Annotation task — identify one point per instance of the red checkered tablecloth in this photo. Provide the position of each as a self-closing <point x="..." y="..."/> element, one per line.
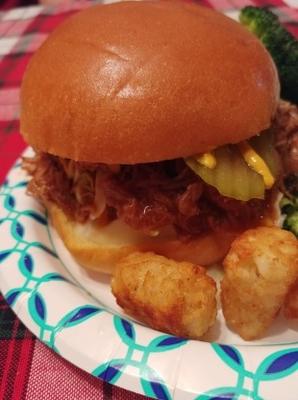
<point x="28" y="369"/>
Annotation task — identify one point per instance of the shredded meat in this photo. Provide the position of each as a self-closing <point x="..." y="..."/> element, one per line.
<point x="53" y="182"/>
<point x="145" y="196"/>
<point x="286" y="133"/>
<point x="291" y="185"/>
<point x="50" y="183"/>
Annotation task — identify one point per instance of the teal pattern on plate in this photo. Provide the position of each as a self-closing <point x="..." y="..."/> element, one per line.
<point x="36" y="304"/>
<point x="274" y="366"/>
<point x="152" y="384"/>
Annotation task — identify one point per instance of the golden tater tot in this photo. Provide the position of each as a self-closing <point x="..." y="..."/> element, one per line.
<point x="291" y="303"/>
<point x="174" y="297"/>
<point x="259" y="270"/>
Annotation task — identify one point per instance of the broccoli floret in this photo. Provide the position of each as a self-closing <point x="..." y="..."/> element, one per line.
<point x="289" y="208"/>
<point x="258" y="20"/>
<point x="291" y="222"/>
<point x="287" y="205"/>
<point x="280" y="43"/>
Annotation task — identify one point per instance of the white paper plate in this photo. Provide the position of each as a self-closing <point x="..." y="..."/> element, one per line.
<point x="82" y="323"/>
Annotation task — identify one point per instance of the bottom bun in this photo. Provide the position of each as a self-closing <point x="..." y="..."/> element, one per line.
<point x="99" y="247"/>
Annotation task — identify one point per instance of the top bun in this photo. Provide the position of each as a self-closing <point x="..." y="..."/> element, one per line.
<point x="136" y="82"/>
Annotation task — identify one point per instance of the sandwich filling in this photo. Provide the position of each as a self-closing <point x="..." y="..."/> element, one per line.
<point x="148" y="197"/>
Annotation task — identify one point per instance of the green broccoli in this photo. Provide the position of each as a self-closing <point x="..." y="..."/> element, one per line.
<point x="280" y="43"/>
<point x="289" y="208"/>
<point x="291" y="222"/>
<point x="287" y="205"/>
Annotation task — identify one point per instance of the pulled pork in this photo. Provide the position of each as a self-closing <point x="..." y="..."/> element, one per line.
<point x="286" y="134"/>
<point x="147" y="197"/>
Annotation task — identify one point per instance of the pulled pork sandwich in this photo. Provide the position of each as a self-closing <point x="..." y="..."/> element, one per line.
<point x="152" y="127"/>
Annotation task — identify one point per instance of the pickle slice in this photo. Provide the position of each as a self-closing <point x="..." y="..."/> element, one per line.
<point x="232" y="177"/>
<point x="264" y="146"/>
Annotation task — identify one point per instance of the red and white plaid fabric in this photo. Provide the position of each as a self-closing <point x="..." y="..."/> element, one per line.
<point x="28" y="369"/>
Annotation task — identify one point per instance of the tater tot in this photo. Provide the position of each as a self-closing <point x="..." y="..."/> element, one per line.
<point x="291" y="303"/>
<point x="259" y="270"/>
<point x="174" y="297"/>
